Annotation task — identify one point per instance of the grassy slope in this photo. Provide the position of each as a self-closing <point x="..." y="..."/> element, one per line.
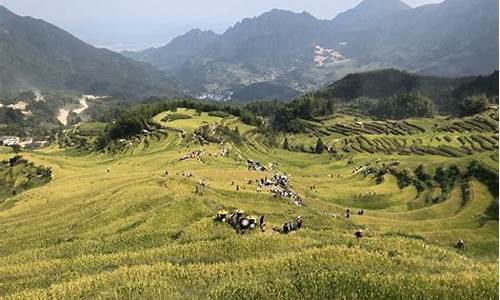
<point x="137" y="232"/>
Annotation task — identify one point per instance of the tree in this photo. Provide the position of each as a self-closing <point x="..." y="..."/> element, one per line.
<point x="365" y="104"/>
<point x="286" y="146"/>
<point x="320" y="147"/>
<point x="247" y="118"/>
<point x="473" y="105"/>
<point x="422" y="176"/>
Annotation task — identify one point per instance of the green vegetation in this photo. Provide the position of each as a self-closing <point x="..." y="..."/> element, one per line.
<point x="320" y="147"/>
<point x="174" y="116"/>
<point x="397" y="94"/>
<point x="18" y="175"/>
<point x="220" y="114"/>
<point x="38" y="118"/>
<point x="139" y="119"/>
<point x="405" y="106"/>
<point x="471" y="105"/>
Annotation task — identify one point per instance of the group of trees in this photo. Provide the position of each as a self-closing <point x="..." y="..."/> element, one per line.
<point x="38" y="119"/>
<point x="474" y="104"/>
<point x="403" y="106"/>
<point x="135" y="120"/>
<point x="287" y="116"/>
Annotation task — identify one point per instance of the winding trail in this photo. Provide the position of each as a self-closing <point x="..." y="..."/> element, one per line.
<point x="64" y="113"/>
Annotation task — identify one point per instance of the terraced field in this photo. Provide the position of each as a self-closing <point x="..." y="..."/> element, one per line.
<point x="440" y="136"/>
<point x="138" y="222"/>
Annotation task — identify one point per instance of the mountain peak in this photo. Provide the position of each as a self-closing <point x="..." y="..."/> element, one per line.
<point x="199" y="32"/>
<point x="275" y="18"/>
<point x="386" y="4"/>
<point x="283" y="13"/>
<point x="368" y="12"/>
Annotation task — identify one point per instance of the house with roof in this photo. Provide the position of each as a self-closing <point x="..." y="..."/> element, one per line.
<point x="8" y="141"/>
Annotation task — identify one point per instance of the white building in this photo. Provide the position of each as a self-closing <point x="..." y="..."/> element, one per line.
<point x="9" y="140"/>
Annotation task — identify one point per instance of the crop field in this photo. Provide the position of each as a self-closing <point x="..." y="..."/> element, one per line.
<point x="138" y="222"/>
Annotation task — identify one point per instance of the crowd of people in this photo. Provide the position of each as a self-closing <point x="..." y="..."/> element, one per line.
<point x="243" y="223"/>
<point x="239" y="221"/>
<point x="279" y="186"/>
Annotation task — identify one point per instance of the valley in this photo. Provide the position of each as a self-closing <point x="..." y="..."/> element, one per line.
<point x="349" y="155"/>
<point x="137" y="220"/>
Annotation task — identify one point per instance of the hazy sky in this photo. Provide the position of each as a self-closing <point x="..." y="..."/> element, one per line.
<point x="133" y="24"/>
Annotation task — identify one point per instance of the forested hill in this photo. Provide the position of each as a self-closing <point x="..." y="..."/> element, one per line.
<point x="386" y="94"/>
<point x="386" y="83"/>
<point x="445" y="93"/>
<point x="36" y="55"/>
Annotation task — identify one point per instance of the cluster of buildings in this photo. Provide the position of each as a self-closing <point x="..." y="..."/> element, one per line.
<point x="28" y="143"/>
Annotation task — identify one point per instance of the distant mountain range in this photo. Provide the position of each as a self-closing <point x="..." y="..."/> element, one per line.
<point x="35" y="55"/>
<point x="297" y="52"/>
<point x="276" y="55"/>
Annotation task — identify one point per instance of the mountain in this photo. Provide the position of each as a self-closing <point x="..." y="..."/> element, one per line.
<point x="454" y="38"/>
<point x="367" y="14"/>
<point x="180" y="49"/>
<point x="277" y="38"/>
<point x="37" y="55"/>
<point x="297" y="51"/>
<point x="255" y="50"/>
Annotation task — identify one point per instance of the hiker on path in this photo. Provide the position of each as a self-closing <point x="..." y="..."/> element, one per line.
<point x="262" y="224"/>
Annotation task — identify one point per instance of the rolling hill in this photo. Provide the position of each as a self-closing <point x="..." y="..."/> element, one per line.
<point x="138" y="220"/>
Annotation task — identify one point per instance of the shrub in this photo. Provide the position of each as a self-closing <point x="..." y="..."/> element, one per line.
<point x="446" y="178"/>
<point x="220" y="114"/>
<point x="320" y="147"/>
<point x="175" y="116"/>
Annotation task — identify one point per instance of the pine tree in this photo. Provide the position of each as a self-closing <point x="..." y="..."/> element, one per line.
<point x="320" y="147"/>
